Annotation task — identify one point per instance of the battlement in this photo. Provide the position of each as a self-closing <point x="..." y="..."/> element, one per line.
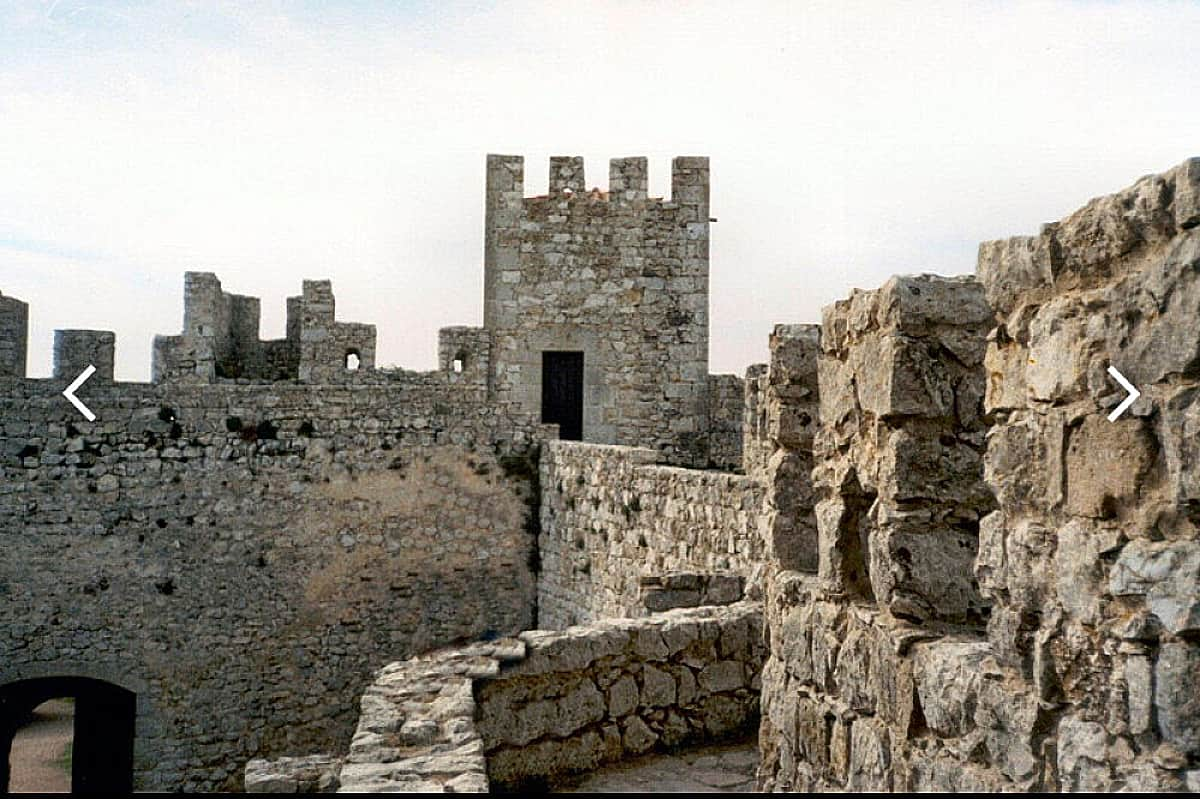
<point x="75" y="350"/>
<point x="220" y="338"/>
<point x="627" y="182"/>
<point x="14" y="336"/>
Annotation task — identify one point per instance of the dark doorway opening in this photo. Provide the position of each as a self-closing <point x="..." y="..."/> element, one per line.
<point x="562" y="393"/>
<point x="102" y="746"/>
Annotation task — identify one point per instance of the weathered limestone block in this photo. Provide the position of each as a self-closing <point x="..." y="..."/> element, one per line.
<point x="1106" y="465"/>
<point x="75" y="350"/>
<point x="14" y="336"/>
<point x="1167" y="574"/>
<point x="690" y="589"/>
<point x="870" y="766"/>
<point x="947" y="675"/>
<point x="1180" y="436"/>
<point x="1025" y="439"/>
<point x="1083" y="758"/>
<point x="311" y="774"/>
<point x="898" y="468"/>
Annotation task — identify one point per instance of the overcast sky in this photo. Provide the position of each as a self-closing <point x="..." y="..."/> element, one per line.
<point x="272" y="142"/>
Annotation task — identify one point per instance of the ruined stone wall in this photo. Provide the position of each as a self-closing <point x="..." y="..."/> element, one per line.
<point x="76" y="350"/>
<point x="220" y="339"/>
<point x="620" y="277"/>
<point x="1085" y="676"/>
<point x="788" y="416"/>
<point x="1092" y="560"/>
<point x="244" y="556"/>
<point x="726" y="401"/>
<point x="14" y="336"/>
<point x="898" y="480"/>
<point x="898" y="457"/>
<point x="611" y="516"/>
<point x="523" y="712"/>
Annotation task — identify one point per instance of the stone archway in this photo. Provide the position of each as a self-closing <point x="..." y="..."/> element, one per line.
<point x="105" y="714"/>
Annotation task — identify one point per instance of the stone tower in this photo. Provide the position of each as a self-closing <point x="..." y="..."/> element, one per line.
<point x="597" y="303"/>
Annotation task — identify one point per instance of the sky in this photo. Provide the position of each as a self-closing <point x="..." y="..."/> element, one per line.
<point x="271" y="142"/>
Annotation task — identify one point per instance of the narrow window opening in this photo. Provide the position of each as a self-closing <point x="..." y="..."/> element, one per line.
<point x="460" y="362"/>
<point x="352" y="361"/>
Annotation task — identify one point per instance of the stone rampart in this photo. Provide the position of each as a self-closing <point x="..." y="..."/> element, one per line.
<point x="1087" y="572"/>
<point x="249" y="553"/>
<point x="519" y="713"/>
<point x="1092" y="560"/>
<point x="726" y="402"/>
<point x="611" y="516"/>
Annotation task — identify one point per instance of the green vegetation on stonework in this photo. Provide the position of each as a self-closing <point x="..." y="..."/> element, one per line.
<point x="64" y="760"/>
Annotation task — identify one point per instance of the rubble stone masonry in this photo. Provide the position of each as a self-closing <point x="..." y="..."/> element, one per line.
<point x="242" y="557"/>
<point x="612" y="516"/>
<point x="959" y="574"/>
<point x="881" y="673"/>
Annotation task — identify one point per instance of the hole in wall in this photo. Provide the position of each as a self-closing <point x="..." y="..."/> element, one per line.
<point x="353" y="361"/>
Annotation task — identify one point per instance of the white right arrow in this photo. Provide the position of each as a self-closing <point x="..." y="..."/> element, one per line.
<point x="69" y="393"/>
<point x="1125" y="384"/>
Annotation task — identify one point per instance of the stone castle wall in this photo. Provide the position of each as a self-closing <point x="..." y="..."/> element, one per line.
<point x="1092" y="560"/>
<point x="243" y="556"/>
<point x="522" y="712"/>
<point x="612" y="516"/>
<point x="220" y="338"/>
<point x="14" y="336"/>
<point x="1085" y="674"/>
<point x="781" y="420"/>
<point x="620" y="277"/>
<point x="726" y="402"/>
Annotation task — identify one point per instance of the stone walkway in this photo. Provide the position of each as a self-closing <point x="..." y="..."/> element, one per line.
<point x="37" y="751"/>
<point x="727" y="769"/>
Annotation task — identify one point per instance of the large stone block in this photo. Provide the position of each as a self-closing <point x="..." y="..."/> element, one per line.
<point x="926" y="573"/>
<point x="1167" y="574"/>
<point x="1177" y="696"/>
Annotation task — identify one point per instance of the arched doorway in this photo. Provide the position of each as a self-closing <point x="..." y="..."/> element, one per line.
<point x="102" y="756"/>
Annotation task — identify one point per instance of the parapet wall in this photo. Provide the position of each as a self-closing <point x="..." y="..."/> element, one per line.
<point x="611" y="516"/>
<point x="520" y="713"/>
<point x="249" y="553"/>
<point x="726" y="401"/>
<point x="898" y="457"/>
<point x="220" y="339"/>
<point x="1092" y="560"/>
<point x="14" y="336"/>
<point x="879" y="676"/>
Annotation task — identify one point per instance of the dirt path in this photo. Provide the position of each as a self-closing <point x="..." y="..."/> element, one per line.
<point x="712" y="769"/>
<point x="37" y="750"/>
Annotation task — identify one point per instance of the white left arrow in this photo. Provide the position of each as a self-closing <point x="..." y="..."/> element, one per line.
<point x="70" y="390"/>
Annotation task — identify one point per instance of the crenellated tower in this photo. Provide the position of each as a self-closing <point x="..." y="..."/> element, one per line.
<point x="597" y="302"/>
